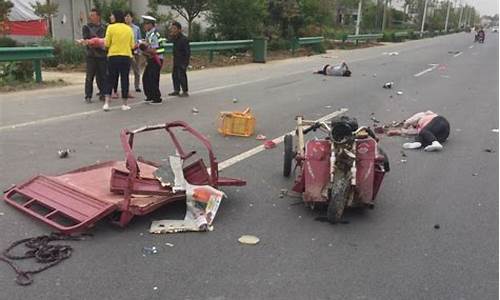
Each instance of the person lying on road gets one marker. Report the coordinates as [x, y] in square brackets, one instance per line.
[335, 70]
[432, 130]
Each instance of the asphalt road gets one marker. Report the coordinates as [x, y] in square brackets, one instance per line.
[391, 252]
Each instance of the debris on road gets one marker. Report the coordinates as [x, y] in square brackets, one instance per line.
[64, 153]
[202, 203]
[494, 130]
[194, 110]
[249, 240]
[260, 137]
[403, 161]
[149, 250]
[169, 244]
[489, 150]
[403, 154]
[43, 250]
[379, 129]
[436, 226]
[235, 100]
[236, 123]
[388, 85]
[269, 144]
[399, 93]
[155, 288]
[283, 193]
[393, 132]
[374, 120]
[328, 106]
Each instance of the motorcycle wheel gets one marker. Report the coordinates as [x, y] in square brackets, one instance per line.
[338, 195]
[288, 155]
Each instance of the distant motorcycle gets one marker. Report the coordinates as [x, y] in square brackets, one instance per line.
[480, 35]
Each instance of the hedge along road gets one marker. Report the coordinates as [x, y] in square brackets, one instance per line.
[391, 252]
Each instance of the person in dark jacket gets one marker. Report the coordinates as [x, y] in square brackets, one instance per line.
[181, 54]
[96, 56]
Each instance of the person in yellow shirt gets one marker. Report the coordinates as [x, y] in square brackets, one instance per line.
[119, 41]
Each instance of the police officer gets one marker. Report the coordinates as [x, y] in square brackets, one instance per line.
[154, 51]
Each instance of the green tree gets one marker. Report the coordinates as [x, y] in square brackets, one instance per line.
[46, 11]
[189, 10]
[107, 7]
[161, 19]
[238, 19]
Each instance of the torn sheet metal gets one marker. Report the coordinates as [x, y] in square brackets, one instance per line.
[202, 204]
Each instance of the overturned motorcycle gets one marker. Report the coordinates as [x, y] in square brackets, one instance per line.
[345, 169]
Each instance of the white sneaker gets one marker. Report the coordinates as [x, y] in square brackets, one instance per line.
[105, 107]
[125, 107]
[435, 146]
[414, 145]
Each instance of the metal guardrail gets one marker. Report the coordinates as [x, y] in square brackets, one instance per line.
[313, 40]
[35, 54]
[362, 37]
[212, 46]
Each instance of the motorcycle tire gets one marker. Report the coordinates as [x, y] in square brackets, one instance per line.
[337, 203]
[288, 155]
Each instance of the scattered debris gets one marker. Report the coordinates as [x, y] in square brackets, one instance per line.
[2, 213]
[475, 174]
[233, 57]
[374, 120]
[494, 130]
[283, 193]
[43, 250]
[269, 144]
[399, 93]
[249, 240]
[260, 137]
[436, 226]
[149, 250]
[489, 150]
[194, 110]
[202, 203]
[403, 154]
[379, 129]
[328, 106]
[235, 100]
[393, 53]
[169, 244]
[64, 153]
[155, 288]
[374, 75]
[393, 132]
[237, 123]
[404, 161]
[388, 85]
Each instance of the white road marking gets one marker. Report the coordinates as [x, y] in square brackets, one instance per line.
[458, 54]
[242, 156]
[426, 70]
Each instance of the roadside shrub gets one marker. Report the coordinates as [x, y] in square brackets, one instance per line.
[11, 72]
[66, 52]
[278, 44]
[6, 41]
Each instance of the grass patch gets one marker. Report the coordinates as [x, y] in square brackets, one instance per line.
[21, 86]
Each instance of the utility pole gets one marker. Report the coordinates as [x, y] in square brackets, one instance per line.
[447, 16]
[384, 17]
[358, 21]
[423, 19]
[460, 19]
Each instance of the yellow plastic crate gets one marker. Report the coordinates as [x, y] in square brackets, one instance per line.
[237, 123]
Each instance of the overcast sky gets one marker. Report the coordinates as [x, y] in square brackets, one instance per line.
[485, 7]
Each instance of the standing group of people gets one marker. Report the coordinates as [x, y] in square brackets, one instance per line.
[114, 49]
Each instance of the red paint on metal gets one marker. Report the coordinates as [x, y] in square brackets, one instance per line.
[316, 170]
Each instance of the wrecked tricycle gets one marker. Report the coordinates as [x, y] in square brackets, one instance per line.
[76, 200]
[345, 169]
